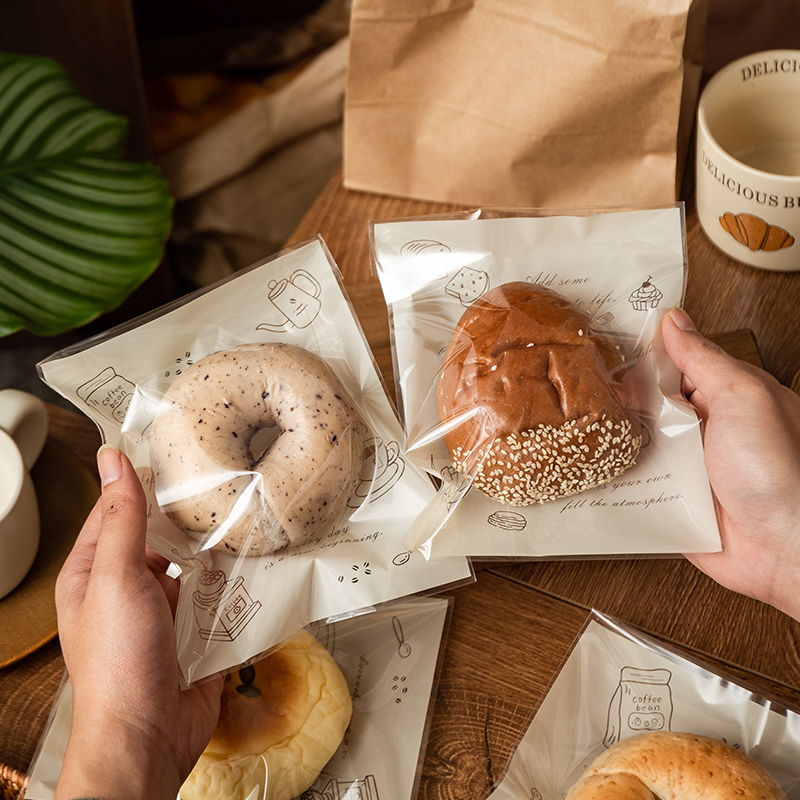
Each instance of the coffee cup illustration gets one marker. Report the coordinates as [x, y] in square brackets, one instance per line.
[297, 300]
[381, 468]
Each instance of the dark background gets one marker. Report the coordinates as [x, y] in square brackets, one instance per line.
[110, 47]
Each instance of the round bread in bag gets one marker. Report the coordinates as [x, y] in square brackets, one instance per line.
[674, 766]
[213, 486]
[288, 711]
[533, 405]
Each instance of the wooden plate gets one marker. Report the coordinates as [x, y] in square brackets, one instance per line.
[66, 492]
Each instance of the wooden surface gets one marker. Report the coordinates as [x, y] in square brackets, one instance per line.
[512, 628]
[754, 315]
[722, 295]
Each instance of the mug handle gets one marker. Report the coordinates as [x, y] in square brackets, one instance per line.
[24, 417]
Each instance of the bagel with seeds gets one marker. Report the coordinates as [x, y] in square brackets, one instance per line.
[533, 404]
[208, 479]
[663, 765]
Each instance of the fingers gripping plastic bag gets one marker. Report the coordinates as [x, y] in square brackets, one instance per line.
[341, 709]
[620, 690]
[533, 382]
[271, 457]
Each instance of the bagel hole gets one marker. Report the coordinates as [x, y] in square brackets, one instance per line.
[262, 440]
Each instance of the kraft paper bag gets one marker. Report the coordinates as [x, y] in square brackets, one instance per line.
[540, 104]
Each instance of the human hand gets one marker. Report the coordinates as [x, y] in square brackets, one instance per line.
[751, 434]
[135, 732]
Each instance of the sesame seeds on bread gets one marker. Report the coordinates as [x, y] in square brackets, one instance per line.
[532, 403]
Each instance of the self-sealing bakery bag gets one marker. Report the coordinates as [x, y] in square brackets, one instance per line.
[270, 455]
[620, 690]
[534, 386]
[360, 698]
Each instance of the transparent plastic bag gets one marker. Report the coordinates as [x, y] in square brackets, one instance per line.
[618, 682]
[621, 269]
[249, 579]
[390, 660]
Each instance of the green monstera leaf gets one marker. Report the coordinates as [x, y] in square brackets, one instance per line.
[80, 225]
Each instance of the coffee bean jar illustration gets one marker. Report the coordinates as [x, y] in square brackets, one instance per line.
[642, 702]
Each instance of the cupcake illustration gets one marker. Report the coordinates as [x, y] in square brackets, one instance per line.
[648, 295]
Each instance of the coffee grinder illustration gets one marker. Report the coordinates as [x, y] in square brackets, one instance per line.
[296, 298]
[222, 608]
[345, 790]
[642, 702]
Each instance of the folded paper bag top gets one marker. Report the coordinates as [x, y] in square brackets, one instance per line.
[492, 104]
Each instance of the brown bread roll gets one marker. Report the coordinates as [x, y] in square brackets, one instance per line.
[533, 405]
[674, 766]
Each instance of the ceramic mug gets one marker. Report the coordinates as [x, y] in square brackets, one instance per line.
[23, 431]
[748, 160]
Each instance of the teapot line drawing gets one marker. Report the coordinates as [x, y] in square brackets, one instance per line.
[296, 299]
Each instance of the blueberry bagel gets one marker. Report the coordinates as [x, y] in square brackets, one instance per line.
[208, 479]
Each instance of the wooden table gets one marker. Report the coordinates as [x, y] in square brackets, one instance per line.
[752, 313]
[512, 628]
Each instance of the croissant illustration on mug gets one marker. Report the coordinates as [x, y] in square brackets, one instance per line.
[755, 233]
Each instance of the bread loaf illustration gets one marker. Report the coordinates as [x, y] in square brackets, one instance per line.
[755, 233]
